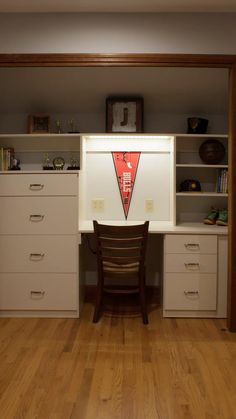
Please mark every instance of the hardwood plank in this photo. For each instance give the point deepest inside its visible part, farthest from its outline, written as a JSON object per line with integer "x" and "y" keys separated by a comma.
{"x": 118, "y": 368}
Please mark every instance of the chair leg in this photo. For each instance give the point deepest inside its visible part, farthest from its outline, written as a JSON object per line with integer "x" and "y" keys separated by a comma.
{"x": 143, "y": 303}
{"x": 98, "y": 303}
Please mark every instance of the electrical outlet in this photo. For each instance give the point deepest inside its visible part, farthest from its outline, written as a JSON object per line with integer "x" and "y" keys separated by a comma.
{"x": 97, "y": 205}
{"x": 149, "y": 205}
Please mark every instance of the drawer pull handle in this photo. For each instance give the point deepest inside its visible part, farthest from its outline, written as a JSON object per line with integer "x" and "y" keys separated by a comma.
{"x": 192, "y": 246}
{"x": 191, "y": 293}
{"x": 36, "y": 186}
{"x": 192, "y": 266}
{"x": 36, "y": 256}
{"x": 37, "y": 294}
{"x": 36, "y": 217}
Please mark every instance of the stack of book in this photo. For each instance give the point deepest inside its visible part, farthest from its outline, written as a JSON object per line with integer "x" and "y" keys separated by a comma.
{"x": 6, "y": 157}
{"x": 222, "y": 181}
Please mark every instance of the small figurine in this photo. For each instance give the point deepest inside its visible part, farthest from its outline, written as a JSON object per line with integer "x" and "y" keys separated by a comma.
{"x": 15, "y": 164}
{"x": 58, "y": 125}
{"x": 71, "y": 126}
{"x": 74, "y": 164}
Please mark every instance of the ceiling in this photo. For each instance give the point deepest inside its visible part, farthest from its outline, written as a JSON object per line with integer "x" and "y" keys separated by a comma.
{"x": 165, "y": 90}
{"x": 123, "y": 6}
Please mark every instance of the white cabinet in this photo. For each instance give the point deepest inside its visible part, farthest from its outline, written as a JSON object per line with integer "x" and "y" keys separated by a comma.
{"x": 194, "y": 282}
{"x": 39, "y": 244}
{"x": 40, "y": 212}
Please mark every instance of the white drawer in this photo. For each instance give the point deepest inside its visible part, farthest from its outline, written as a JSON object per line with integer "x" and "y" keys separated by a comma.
{"x": 189, "y": 263}
{"x": 38, "y": 215}
{"x": 188, "y": 243}
{"x": 38, "y": 292}
{"x": 190, "y": 292}
{"x": 38, "y": 253}
{"x": 38, "y": 184}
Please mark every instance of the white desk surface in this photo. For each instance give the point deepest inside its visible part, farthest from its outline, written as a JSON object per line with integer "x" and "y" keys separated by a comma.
{"x": 162, "y": 227}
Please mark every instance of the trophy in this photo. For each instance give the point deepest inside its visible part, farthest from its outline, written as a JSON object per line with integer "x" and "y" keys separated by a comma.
{"x": 47, "y": 162}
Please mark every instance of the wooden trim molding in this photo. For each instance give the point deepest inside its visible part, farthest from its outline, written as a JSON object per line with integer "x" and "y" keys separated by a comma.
{"x": 109, "y": 60}
{"x": 232, "y": 203}
{"x": 161, "y": 60}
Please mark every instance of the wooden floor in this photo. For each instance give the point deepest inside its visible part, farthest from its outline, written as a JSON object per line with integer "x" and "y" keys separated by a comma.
{"x": 118, "y": 368}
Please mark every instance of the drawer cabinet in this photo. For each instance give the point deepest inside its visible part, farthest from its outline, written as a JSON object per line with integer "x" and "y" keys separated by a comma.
{"x": 38, "y": 253}
{"x": 190, "y": 243}
{"x": 38, "y": 215}
{"x": 190, "y": 275}
{"x": 191, "y": 263}
{"x": 190, "y": 292}
{"x": 39, "y": 244}
{"x": 38, "y": 184}
{"x": 36, "y": 291}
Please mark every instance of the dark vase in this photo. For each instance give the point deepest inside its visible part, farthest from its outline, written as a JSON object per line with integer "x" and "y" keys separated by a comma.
{"x": 197, "y": 125}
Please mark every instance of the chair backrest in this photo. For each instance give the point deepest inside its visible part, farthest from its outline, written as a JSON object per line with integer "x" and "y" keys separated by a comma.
{"x": 121, "y": 249}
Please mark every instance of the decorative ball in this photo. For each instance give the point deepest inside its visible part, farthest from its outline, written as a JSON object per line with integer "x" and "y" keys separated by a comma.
{"x": 212, "y": 151}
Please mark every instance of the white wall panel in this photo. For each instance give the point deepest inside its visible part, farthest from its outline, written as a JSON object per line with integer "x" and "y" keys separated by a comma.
{"x": 204, "y": 33}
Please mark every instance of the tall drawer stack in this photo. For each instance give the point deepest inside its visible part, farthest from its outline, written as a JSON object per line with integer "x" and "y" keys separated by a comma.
{"x": 190, "y": 275}
{"x": 38, "y": 244}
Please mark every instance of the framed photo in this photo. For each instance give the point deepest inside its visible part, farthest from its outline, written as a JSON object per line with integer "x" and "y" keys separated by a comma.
{"x": 38, "y": 124}
{"x": 124, "y": 114}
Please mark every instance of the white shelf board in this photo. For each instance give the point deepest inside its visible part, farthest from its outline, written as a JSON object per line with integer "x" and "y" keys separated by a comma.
{"x": 201, "y": 135}
{"x": 202, "y": 194}
{"x": 203, "y": 166}
{"x": 105, "y": 134}
{"x": 41, "y": 136}
{"x": 50, "y": 172}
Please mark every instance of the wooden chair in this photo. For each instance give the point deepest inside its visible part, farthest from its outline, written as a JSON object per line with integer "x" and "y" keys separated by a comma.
{"x": 121, "y": 254}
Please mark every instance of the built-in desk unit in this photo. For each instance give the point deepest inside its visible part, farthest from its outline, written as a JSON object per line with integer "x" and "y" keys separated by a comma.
{"x": 44, "y": 213}
{"x": 195, "y": 254}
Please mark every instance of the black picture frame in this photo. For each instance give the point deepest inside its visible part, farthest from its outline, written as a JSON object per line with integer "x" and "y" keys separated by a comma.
{"x": 124, "y": 114}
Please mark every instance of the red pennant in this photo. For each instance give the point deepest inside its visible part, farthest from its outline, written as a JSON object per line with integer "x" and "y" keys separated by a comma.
{"x": 126, "y": 165}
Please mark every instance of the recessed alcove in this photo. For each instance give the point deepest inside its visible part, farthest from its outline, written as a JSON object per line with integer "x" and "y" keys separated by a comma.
{"x": 170, "y": 96}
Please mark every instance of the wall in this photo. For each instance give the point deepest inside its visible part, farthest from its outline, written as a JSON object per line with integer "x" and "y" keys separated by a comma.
{"x": 120, "y": 33}
{"x": 109, "y": 33}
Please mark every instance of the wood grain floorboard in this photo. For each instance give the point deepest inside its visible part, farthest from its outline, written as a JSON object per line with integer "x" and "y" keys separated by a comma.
{"x": 117, "y": 368}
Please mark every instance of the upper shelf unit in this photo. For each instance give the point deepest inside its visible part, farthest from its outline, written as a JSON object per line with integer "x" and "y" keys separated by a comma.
{"x": 212, "y": 179}
{"x": 34, "y": 150}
